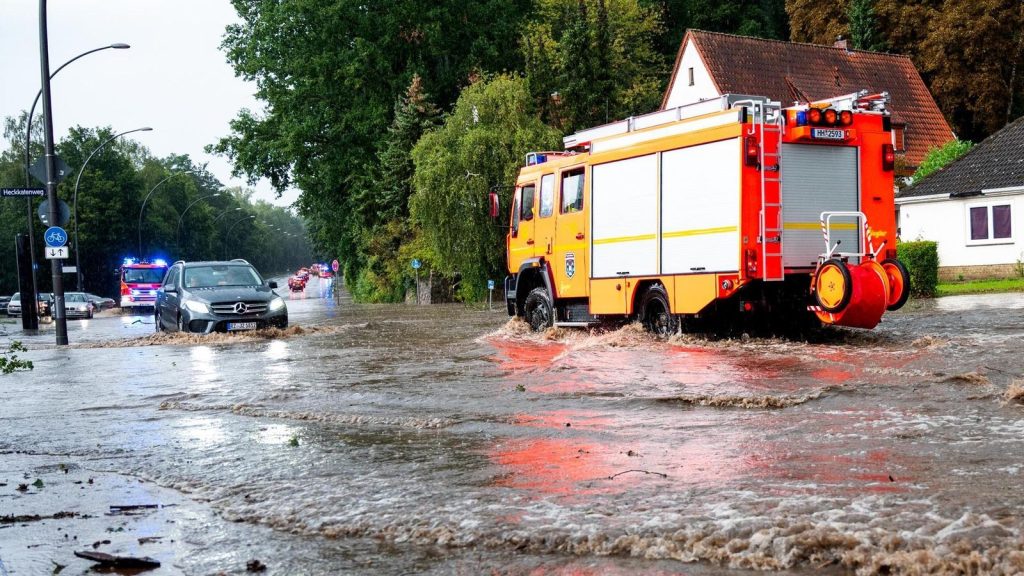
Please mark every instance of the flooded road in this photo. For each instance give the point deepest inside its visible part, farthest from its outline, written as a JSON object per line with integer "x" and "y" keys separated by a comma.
{"x": 445, "y": 440}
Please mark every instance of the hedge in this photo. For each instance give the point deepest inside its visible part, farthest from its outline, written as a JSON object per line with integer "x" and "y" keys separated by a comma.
{"x": 922, "y": 261}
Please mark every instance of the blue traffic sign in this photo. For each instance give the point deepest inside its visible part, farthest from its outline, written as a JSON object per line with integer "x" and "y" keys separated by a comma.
{"x": 416, "y": 264}
{"x": 55, "y": 237}
{"x": 490, "y": 284}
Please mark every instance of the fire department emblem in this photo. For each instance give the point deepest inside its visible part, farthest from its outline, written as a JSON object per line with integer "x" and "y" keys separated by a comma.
{"x": 570, "y": 265}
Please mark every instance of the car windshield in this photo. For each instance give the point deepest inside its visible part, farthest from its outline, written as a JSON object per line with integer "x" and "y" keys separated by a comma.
{"x": 221, "y": 275}
{"x": 75, "y": 297}
{"x": 144, "y": 275}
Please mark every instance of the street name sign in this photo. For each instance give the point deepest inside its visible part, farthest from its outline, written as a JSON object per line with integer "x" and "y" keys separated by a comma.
{"x": 21, "y": 192}
{"x": 60, "y": 253}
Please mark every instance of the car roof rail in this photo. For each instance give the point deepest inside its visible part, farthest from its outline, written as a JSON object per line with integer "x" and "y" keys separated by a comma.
{"x": 176, "y": 262}
{"x": 242, "y": 260}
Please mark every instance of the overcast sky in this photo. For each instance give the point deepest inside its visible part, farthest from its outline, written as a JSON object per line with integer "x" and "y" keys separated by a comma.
{"x": 174, "y": 78}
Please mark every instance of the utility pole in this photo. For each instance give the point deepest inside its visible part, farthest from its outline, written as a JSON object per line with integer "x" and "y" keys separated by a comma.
{"x": 59, "y": 312}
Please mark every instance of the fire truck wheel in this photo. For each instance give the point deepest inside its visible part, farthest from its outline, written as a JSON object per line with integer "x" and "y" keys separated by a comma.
{"x": 655, "y": 313}
{"x": 537, "y": 309}
{"x": 899, "y": 283}
{"x": 833, "y": 286}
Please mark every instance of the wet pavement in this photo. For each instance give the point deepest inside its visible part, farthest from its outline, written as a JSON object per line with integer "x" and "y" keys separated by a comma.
{"x": 446, "y": 440}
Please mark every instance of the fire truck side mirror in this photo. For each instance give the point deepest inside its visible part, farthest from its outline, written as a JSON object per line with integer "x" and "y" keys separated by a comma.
{"x": 492, "y": 200}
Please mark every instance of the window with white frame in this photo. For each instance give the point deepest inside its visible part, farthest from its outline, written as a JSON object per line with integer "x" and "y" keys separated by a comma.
{"x": 989, "y": 223}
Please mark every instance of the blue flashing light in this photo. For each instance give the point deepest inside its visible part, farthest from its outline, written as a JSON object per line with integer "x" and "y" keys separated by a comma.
{"x": 801, "y": 118}
{"x": 160, "y": 262}
{"x": 534, "y": 158}
{"x": 128, "y": 261}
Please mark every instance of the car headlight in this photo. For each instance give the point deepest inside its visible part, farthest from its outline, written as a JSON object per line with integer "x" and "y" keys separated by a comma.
{"x": 197, "y": 307}
{"x": 276, "y": 304}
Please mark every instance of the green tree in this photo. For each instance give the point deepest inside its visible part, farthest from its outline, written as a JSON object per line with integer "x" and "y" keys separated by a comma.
{"x": 386, "y": 225}
{"x": 593, "y": 61}
{"x": 863, "y": 35}
{"x": 329, "y": 73}
{"x": 939, "y": 157}
{"x": 760, "y": 18}
{"x": 481, "y": 144}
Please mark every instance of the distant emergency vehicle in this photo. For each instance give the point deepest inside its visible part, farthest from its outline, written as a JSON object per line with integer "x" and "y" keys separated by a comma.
{"x": 139, "y": 282}
{"x": 733, "y": 209}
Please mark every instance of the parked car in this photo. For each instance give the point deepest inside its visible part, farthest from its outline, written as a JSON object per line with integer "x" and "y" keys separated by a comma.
{"x": 77, "y": 305}
{"x": 100, "y": 302}
{"x": 42, "y": 307}
{"x": 209, "y": 297}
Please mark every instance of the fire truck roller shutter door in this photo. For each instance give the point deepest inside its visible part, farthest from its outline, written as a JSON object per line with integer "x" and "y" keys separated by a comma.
{"x": 817, "y": 178}
{"x": 700, "y": 208}
{"x": 625, "y": 217}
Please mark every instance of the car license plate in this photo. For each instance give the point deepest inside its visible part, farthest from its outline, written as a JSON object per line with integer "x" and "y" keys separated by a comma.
{"x": 232, "y": 326}
{"x": 828, "y": 134}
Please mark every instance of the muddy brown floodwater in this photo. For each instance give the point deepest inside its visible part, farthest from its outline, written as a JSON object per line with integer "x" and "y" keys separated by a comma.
{"x": 446, "y": 440}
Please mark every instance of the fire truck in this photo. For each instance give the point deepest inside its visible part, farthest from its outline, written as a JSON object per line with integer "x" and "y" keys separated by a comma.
{"x": 730, "y": 210}
{"x": 139, "y": 282}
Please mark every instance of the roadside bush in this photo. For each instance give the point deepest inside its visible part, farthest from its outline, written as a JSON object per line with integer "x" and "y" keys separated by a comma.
{"x": 921, "y": 258}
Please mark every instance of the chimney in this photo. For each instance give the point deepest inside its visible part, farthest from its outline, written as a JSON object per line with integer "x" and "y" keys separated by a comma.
{"x": 840, "y": 42}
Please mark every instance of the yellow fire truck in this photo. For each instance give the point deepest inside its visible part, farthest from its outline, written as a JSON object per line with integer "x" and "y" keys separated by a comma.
{"x": 729, "y": 209}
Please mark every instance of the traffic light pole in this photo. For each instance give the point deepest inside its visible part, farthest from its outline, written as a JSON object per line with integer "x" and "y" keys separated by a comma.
{"x": 59, "y": 313}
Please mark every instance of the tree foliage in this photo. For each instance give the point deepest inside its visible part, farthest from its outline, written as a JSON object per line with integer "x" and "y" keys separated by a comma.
{"x": 594, "y": 61}
{"x": 939, "y": 157}
{"x": 481, "y": 145}
{"x": 9, "y": 360}
{"x": 182, "y": 218}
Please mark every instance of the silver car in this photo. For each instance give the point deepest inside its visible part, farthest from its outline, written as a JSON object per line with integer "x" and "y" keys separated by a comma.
{"x": 207, "y": 297}
{"x": 77, "y": 305}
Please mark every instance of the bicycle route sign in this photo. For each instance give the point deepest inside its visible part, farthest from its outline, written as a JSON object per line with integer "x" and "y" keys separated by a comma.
{"x": 55, "y": 237}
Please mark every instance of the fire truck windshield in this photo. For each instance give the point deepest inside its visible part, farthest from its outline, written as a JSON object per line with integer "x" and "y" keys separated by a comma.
{"x": 143, "y": 275}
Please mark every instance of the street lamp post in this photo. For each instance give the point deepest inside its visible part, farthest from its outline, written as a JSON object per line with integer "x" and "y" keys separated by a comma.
{"x": 29, "y": 319}
{"x": 181, "y": 216}
{"x": 143, "y": 207}
{"x": 78, "y": 266}
{"x": 227, "y": 235}
{"x": 225, "y": 213}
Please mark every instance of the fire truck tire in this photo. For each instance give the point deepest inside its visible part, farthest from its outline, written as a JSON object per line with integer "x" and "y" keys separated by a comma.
{"x": 537, "y": 310}
{"x": 899, "y": 283}
{"x": 833, "y": 286}
{"x": 656, "y": 314}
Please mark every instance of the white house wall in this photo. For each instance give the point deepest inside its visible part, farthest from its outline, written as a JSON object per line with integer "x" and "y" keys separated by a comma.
{"x": 946, "y": 222}
{"x": 681, "y": 92}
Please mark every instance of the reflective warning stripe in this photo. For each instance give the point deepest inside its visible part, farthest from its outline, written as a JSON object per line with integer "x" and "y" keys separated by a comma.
{"x": 624, "y": 239}
{"x": 817, "y": 226}
{"x": 699, "y": 232}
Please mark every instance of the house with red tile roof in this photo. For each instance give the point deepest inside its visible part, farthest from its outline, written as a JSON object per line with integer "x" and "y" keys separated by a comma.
{"x": 710, "y": 64}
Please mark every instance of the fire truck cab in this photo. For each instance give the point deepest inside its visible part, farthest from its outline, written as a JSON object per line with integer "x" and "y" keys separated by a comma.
{"x": 139, "y": 282}
{"x": 732, "y": 208}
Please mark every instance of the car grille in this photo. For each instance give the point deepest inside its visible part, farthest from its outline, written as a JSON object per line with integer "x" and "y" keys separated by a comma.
{"x": 228, "y": 308}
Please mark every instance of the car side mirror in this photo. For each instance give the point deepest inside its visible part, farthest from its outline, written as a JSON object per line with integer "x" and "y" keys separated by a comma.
{"x": 272, "y": 284}
{"x": 170, "y": 290}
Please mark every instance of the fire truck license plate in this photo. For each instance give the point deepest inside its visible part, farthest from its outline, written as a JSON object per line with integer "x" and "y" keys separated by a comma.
{"x": 828, "y": 134}
{"x": 232, "y": 326}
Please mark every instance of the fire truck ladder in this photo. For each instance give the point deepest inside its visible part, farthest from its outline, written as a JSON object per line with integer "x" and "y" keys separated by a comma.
{"x": 770, "y": 215}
